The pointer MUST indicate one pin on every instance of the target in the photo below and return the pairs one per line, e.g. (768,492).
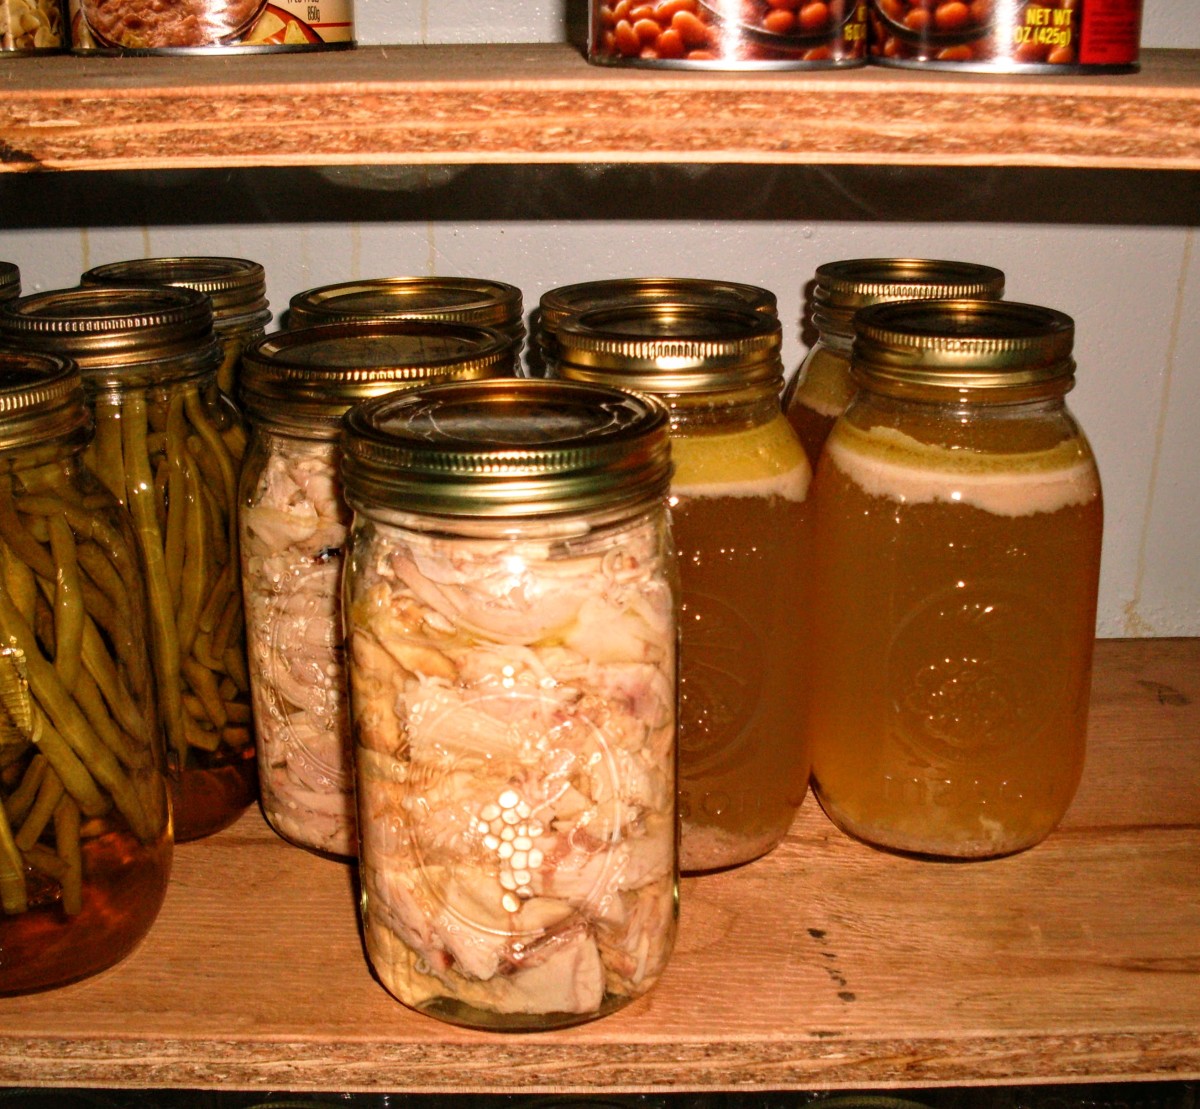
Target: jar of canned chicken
(718,34)
(85,832)
(467,300)
(296,388)
(236,287)
(165,446)
(10,281)
(958,517)
(569,300)
(738,516)
(822,387)
(510,608)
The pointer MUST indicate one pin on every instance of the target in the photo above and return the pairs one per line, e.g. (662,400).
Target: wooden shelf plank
(825,965)
(544,103)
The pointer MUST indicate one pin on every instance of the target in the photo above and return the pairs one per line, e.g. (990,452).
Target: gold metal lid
(568,300)
(117,328)
(509,449)
(41,399)
(841,288)
(998,349)
(304,381)
(10,281)
(237,287)
(672,348)
(469,300)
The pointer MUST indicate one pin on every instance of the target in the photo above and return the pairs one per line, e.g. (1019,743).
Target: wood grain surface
(543,103)
(825,965)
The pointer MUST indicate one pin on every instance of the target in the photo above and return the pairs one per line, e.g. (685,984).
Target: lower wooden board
(825,965)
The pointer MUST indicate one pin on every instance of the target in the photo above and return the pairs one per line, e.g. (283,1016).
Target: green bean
(74,776)
(127,749)
(203,425)
(96,661)
(235,667)
(206,739)
(103,454)
(165,640)
(68,603)
(196,568)
(101,572)
(19,540)
(204,686)
(41,812)
(18,580)
(178,508)
(13,896)
(45,861)
(66,840)
(229,626)
(20,801)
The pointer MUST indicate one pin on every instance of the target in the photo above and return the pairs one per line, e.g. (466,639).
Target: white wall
(1131,280)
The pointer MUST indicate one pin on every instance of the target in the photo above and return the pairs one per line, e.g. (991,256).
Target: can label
(31,26)
(174,26)
(988,34)
(728,34)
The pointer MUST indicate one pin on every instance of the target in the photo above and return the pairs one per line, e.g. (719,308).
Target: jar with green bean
(85,831)
(167,447)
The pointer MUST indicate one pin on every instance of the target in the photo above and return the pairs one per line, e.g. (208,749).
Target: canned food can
(209,26)
(728,34)
(1008,36)
(31,27)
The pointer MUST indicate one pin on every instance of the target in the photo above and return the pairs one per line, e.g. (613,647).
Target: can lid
(41,398)
(10,280)
(305,380)
(672,348)
(999,348)
(841,288)
(237,287)
(507,449)
(104,327)
(568,300)
(459,299)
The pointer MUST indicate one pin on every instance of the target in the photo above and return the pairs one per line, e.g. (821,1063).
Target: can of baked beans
(1007,36)
(209,26)
(32,27)
(728,34)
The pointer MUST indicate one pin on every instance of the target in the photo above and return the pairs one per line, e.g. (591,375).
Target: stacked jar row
(463,599)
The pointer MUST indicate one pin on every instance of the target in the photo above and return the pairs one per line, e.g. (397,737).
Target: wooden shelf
(544,103)
(825,965)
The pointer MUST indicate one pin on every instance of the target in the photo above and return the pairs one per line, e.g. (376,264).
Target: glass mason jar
(822,387)
(739,520)
(85,830)
(237,288)
(293,520)
(476,301)
(569,300)
(957,513)
(165,447)
(10,281)
(511,618)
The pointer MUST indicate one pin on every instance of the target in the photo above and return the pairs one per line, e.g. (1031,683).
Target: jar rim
(235,286)
(41,398)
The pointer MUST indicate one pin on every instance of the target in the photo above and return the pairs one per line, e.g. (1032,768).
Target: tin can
(558,304)
(1020,36)
(293,522)
(236,287)
(32,27)
(728,34)
(511,620)
(10,281)
(209,26)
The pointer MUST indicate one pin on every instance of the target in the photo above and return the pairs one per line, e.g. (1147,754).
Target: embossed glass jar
(293,520)
(739,521)
(85,831)
(822,387)
(511,618)
(10,281)
(166,446)
(957,528)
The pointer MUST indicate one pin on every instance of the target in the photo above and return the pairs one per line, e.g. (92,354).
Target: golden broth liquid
(955,621)
(823,391)
(739,524)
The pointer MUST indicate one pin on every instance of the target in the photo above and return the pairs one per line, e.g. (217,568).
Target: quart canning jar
(236,287)
(738,508)
(557,304)
(510,609)
(958,518)
(296,388)
(165,447)
(85,831)
(476,301)
(822,387)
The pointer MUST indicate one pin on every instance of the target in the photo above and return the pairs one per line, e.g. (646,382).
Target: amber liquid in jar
(954,674)
(822,392)
(739,524)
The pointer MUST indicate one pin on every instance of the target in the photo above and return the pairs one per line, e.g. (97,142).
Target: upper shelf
(544,103)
